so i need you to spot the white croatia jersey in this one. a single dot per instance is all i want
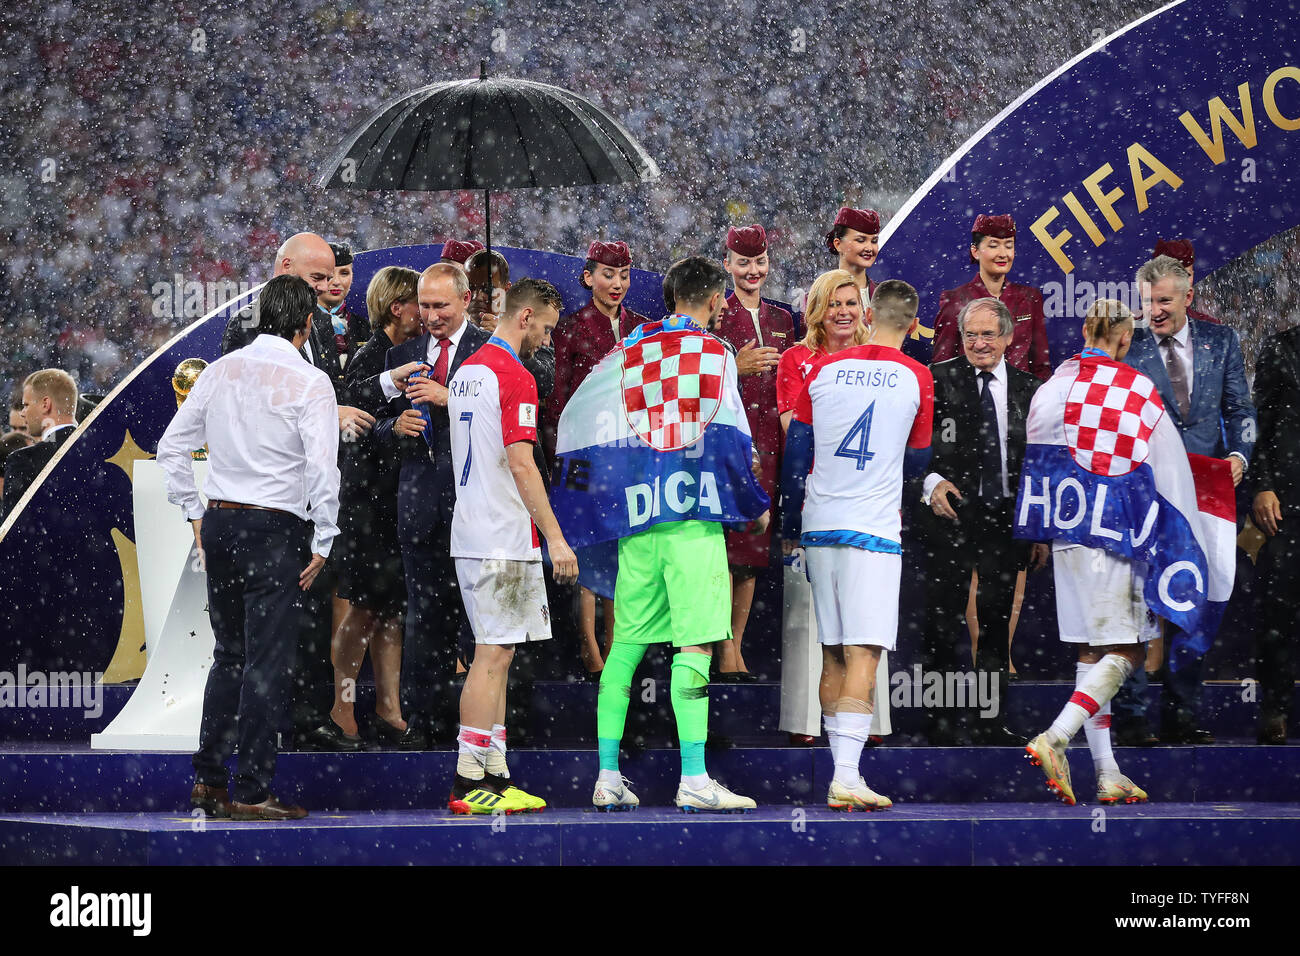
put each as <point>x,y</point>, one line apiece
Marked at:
<point>867,405</point>
<point>492,403</point>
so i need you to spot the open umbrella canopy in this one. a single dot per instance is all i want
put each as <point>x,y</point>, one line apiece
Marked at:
<point>489,134</point>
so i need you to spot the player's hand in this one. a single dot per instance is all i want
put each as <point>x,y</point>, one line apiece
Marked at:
<point>409,424</point>
<point>354,423</point>
<point>751,360</point>
<point>1238,469</point>
<point>939,500</point>
<point>1267,512</point>
<point>428,391</point>
<point>309,573</point>
<point>564,563</point>
<point>759,524</point>
<point>400,374</point>
<point>1039,554</point>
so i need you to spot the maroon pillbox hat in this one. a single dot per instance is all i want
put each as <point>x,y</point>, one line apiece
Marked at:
<point>453,250</point>
<point>1180,249</point>
<point>613,254</point>
<point>999,227</point>
<point>863,220</point>
<point>747,241</point>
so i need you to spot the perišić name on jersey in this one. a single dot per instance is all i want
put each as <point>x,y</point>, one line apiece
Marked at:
<point>865,377</point>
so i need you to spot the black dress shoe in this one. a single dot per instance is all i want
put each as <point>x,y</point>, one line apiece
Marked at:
<point>390,738</point>
<point>729,677</point>
<point>329,737</point>
<point>1135,735</point>
<point>1271,731</point>
<point>1193,736</point>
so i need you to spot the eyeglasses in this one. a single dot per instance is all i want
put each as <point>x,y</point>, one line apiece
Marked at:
<point>981,336</point>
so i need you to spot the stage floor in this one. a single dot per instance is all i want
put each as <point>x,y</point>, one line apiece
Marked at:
<point>1018,833</point>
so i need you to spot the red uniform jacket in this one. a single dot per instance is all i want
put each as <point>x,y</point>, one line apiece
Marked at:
<point>1028,348</point>
<point>581,339</point>
<point>758,392</point>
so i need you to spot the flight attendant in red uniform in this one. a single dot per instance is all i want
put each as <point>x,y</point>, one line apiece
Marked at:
<point>855,238</point>
<point>993,249</point>
<point>581,340</point>
<point>1183,251</point>
<point>760,332</point>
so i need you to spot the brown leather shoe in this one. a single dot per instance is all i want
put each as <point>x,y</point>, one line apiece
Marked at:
<point>213,801</point>
<point>268,809</point>
<point>1272,731</point>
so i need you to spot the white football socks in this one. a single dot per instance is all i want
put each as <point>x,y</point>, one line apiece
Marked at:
<point>1097,729</point>
<point>1092,691</point>
<point>853,729</point>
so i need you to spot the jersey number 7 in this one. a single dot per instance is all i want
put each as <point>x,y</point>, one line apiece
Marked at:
<point>854,444</point>
<point>468,419</point>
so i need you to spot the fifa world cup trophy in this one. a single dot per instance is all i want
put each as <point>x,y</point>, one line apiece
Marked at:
<point>183,379</point>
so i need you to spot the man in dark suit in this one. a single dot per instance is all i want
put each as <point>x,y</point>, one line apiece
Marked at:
<point>1199,372</point>
<point>1275,470</point>
<point>49,409</point>
<point>426,495</point>
<point>965,519</point>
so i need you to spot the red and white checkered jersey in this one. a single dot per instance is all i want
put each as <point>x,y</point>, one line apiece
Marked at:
<point>867,405</point>
<point>492,402</point>
<point>1110,412</point>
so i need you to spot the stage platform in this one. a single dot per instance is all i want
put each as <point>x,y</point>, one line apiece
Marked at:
<point>954,835</point>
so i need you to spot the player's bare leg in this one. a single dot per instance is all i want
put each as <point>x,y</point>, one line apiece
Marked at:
<point>852,720</point>
<point>482,701</point>
<point>1107,667</point>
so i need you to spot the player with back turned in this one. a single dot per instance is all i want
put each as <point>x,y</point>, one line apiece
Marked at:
<point>501,505</point>
<point>861,425</point>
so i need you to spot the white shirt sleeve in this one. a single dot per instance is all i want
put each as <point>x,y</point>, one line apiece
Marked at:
<point>387,386</point>
<point>186,432</point>
<point>319,427</point>
<point>932,481</point>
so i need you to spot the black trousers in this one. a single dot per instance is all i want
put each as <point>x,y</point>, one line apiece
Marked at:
<point>435,635</point>
<point>1278,595</point>
<point>253,562</point>
<point>982,542</point>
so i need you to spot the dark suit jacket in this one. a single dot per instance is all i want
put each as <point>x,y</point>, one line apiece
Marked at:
<point>426,493</point>
<point>240,331</point>
<point>22,467</point>
<point>1276,466</point>
<point>955,441</point>
<point>1221,419</point>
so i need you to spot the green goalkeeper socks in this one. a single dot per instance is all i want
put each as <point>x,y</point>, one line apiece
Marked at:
<point>611,703</point>
<point>690,696</point>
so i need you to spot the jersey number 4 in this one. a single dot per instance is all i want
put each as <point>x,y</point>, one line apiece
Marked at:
<point>468,419</point>
<point>854,445</point>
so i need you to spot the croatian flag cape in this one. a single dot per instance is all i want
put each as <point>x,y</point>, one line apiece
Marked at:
<point>1106,468</point>
<point>655,433</point>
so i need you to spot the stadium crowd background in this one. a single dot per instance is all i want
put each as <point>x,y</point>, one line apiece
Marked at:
<point>159,141</point>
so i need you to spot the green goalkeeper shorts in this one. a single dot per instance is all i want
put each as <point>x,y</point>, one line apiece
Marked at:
<point>673,585</point>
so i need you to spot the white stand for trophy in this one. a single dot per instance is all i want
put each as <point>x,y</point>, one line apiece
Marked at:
<point>801,662</point>
<point>166,708</point>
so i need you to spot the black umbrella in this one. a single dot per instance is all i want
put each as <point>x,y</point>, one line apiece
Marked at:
<point>487,134</point>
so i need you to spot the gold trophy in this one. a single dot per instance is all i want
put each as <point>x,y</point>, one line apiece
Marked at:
<point>183,379</point>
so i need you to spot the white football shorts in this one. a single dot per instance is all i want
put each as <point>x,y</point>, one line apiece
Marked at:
<point>505,600</point>
<point>1099,598</point>
<point>855,594</point>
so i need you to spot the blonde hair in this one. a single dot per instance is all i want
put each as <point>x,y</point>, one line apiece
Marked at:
<point>57,385</point>
<point>1105,319</point>
<point>818,298</point>
<point>390,285</point>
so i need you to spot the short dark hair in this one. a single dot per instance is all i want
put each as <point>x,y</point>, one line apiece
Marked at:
<point>499,264</point>
<point>285,306</point>
<point>692,280</point>
<point>530,294</point>
<point>894,303</point>
<point>10,443</point>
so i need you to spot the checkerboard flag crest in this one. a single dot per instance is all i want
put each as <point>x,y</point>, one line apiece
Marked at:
<point>672,388</point>
<point>1110,412</point>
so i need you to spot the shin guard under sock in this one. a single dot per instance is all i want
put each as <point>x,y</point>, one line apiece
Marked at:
<point>612,701</point>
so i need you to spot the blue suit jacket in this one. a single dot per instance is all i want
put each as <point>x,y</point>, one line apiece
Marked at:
<point>1221,419</point>
<point>426,493</point>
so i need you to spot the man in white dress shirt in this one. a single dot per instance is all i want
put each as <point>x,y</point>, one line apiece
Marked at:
<point>270,421</point>
<point>964,520</point>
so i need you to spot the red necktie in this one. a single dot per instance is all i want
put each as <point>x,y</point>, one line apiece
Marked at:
<point>440,366</point>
